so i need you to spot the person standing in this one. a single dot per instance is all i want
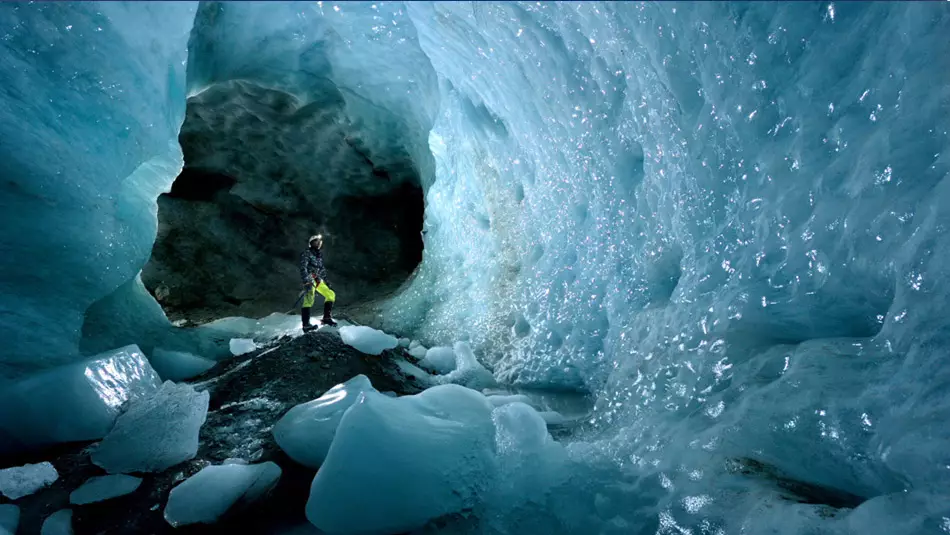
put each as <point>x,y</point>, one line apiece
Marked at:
<point>314,277</point>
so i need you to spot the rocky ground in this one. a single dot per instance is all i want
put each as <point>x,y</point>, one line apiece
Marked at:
<point>248,395</point>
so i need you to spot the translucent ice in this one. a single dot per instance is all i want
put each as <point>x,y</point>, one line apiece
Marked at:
<point>467,370</point>
<point>367,339</point>
<point>76,402</point>
<point>100,488</point>
<point>208,495</point>
<point>240,346</point>
<point>21,481</point>
<point>398,462</point>
<point>58,523</point>
<point>9,518</point>
<point>307,430</point>
<point>439,359</point>
<point>725,222</point>
<point>178,365</point>
<point>156,432</point>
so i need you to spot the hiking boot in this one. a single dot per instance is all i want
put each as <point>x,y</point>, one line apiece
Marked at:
<point>327,320</point>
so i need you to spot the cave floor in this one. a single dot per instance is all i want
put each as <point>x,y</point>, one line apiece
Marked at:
<point>248,394</point>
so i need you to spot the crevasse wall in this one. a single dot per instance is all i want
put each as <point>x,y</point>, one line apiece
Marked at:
<point>726,220</point>
<point>91,103</point>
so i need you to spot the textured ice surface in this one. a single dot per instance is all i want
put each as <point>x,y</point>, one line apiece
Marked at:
<point>418,351</point>
<point>208,495</point>
<point>397,463</point>
<point>306,431</point>
<point>178,365</point>
<point>20,481</point>
<point>9,518</point>
<point>79,401</point>
<point>725,221</point>
<point>467,370</point>
<point>439,359</point>
<point>99,488</point>
<point>367,339</point>
<point>58,523</point>
<point>240,346</point>
<point>78,196</point>
<point>156,432</point>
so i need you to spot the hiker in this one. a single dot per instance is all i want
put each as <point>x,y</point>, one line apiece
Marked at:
<point>314,277</point>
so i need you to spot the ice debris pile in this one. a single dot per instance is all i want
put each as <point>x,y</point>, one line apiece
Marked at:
<point>390,465</point>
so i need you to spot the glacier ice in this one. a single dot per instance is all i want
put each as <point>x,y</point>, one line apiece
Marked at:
<point>79,401</point>
<point>307,430</point>
<point>439,359</point>
<point>724,222</point>
<point>178,365</point>
<point>99,488</point>
<point>20,481</point>
<point>214,491</point>
<point>240,346</point>
<point>397,463</point>
<point>156,432</point>
<point>58,523</point>
<point>367,339</point>
<point>9,518</point>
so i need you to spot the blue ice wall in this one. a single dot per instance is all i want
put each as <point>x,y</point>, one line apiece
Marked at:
<point>90,106</point>
<point>727,221</point>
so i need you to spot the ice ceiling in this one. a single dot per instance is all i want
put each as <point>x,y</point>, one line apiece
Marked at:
<point>727,221</point>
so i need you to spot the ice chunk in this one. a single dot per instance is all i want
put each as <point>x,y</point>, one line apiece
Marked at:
<point>100,488</point>
<point>58,523</point>
<point>529,458</point>
<point>397,463</point>
<point>439,359</point>
<point>418,352</point>
<point>75,402</point>
<point>208,495</point>
<point>155,433</point>
<point>240,346</point>
<point>261,330</point>
<point>468,371</point>
<point>306,431</point>
<point>21,481</point>
<point>178,365</point>
<point>404,342</point>
<point>9,518</point>
<point>367,339</point>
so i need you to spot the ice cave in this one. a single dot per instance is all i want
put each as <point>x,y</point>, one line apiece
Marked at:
<point>599,268</point>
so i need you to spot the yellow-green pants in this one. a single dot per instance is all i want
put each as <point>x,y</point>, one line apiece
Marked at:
<point>324,290</point>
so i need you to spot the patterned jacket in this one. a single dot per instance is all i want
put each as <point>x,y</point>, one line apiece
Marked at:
<point>311,264</point>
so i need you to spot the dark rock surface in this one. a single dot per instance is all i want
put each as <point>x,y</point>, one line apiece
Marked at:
<point>248,395</point>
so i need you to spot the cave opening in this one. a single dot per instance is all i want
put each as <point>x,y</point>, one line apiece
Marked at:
<point>265,169</point>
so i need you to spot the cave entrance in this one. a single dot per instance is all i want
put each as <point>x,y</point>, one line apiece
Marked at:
<point>263,172</point>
